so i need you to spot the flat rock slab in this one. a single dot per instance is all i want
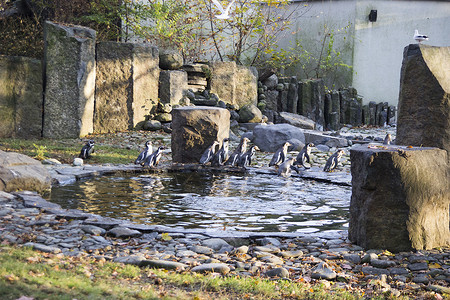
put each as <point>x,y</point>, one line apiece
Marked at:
<point>213,267</point>
<point>400,197</point>
<point>20,172</point>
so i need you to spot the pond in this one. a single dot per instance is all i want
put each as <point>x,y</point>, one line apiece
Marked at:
<point>250,202</point>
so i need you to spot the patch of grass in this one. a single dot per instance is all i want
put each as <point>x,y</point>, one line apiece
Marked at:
<point>24,272</point>
<point>66,150</point>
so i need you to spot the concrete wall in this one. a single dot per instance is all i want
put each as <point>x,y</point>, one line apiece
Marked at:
<point>378,46</point>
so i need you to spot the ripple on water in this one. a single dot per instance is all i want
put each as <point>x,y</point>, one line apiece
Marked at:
<point>223,202</point>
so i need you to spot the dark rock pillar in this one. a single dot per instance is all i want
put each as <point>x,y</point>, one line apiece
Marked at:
<point>400,198</point>
<point>424,101</point>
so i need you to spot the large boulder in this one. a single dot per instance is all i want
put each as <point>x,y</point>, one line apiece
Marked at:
<point>170,59</point>
<point>19,172</point>
<point>296,120</point>
<point>195,128</point>
<point>21,88</point>
<point>250,114</point>
<point>69,64</point>
<point>424,101</point>
<point>270,138</point>
<point>126,85</point>
<point>400,198</point>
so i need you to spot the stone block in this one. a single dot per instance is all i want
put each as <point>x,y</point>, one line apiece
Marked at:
<point>355,112</point>
<point>332,107</point>
<point>172,86</point>
<point>372,112</point>
<point>392,114</point>
<point>424,105</point>
<point>282,100</point>
<point>365,115</point>
<point>400,199</point>
<point>246,86</point>
<point>296,120</point>
<point>272,100</point>
<point>69,63</point>
<point>195,128</point>
<point>126,85</point>
<point>234,84</point>
<point>292,95</point>
<point>19,172</point>
<point>21,101</point>
<point>311,100</point>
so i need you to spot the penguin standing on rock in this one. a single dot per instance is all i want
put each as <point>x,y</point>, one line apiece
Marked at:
<point>280,155</point>
<point>152,160</point>
<point>286,167</point>
<point>387,139</point>
<point>209,153</point>
<point>303,156</point>
<point>245,159</point>
<point>333,161</point>
<point>238,152</point>
<point>144,154</point>
<point>87,150</point>
<point>221,156</point>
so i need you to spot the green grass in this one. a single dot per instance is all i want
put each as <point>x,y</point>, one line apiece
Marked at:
<point>24,272</point>
<point>66,150</point>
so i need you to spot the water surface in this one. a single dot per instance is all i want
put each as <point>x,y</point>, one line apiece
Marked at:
<point>259,202</point>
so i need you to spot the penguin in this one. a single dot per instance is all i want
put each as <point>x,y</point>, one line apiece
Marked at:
<point>222,155</point>
<point>303,156</point>
<point>144,154</point>
<point>152,160</point>
<point>279,156</point>
<point>240,150</point>
<point>333,161</point>
<point>87,150</point>
<point>209,153</point>
<point>245,159</point>
<point>285,168</point>
<point>387,139</point>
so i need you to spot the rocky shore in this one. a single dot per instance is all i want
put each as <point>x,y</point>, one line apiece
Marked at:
<point>325,257</point>
<point>29,220</point>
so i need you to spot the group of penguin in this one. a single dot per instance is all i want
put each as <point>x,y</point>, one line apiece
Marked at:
<point>147,158</point>
<point>241,157</point>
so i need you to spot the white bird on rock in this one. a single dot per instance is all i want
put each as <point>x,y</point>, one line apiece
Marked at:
<point>420,37</point>
<point>224,12</point>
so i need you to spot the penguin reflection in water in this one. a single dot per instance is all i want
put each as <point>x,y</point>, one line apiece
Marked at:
<point>152,160</point>
<point>333,161</point>
<point>144,154</point>
<point>87,150</point>
<point>279,156</point>
<point>209,153</point>
<point>246,159</point>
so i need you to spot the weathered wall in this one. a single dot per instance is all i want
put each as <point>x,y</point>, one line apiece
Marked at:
<point>21,90</point>
<point>126,88</point>
<point>70,81</point>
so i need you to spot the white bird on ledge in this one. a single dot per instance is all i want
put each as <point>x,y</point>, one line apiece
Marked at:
<point>224,12</point>
<point>420,37</point>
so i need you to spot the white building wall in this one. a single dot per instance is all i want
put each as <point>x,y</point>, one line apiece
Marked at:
<point>378,46</point>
